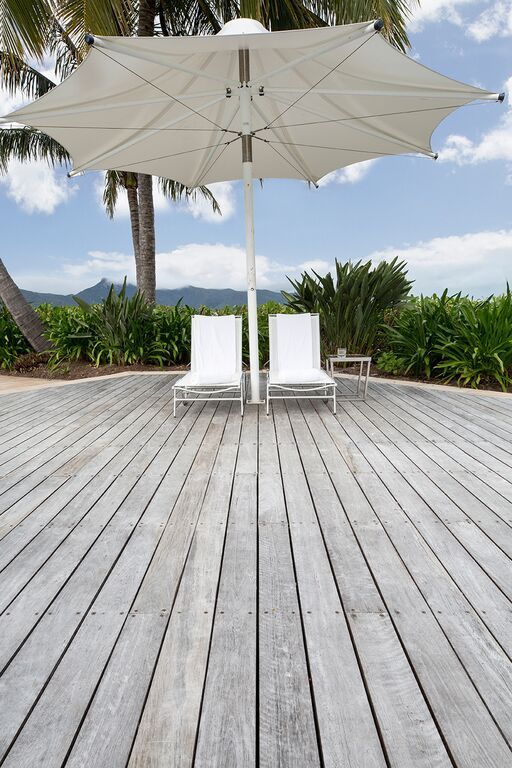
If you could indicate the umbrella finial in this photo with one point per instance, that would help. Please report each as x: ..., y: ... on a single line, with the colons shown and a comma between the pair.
x: 378, y: 25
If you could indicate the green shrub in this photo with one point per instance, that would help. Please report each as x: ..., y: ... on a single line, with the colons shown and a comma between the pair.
x: 173, y: 331
x: 454, y: 338
x: 69, y: 333
x: 477, y: 347
x: 353, y: 303
x: 417, y: 331
x: 388, y: 362
x: 12, y: 341
x: 121, y: 330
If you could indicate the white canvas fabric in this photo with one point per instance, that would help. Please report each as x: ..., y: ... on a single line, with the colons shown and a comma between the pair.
x: 208, y: 380
x: 293, y: 343
x: 216, y: 355
x: 291, y: 376
x: 293, y: 357
x: 322, y: 99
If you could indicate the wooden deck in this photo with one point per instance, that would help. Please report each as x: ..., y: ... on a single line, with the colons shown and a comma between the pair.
x: 295, y: 591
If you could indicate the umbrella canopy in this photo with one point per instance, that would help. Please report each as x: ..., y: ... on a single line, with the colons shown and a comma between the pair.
x: 246, y: 103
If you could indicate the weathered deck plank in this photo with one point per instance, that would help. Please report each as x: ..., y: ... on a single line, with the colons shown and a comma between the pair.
x: 296, y: 590
x: 228, y: 725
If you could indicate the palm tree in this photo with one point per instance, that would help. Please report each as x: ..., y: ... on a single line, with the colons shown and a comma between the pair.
x: 29, y: 29
x: 25, y: 144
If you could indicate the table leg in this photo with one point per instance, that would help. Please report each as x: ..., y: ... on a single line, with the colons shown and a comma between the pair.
x: 367, y: 378
x: 359, y: 379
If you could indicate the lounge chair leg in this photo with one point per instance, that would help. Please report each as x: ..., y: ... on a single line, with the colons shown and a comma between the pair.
x: 334, y: 401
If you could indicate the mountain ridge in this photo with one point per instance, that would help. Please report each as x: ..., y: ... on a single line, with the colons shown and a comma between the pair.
x: 193, y: 296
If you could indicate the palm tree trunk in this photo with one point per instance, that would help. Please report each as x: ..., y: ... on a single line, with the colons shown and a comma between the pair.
x: 145, y: 263
x: 133, y: 206
x: 25, y: 317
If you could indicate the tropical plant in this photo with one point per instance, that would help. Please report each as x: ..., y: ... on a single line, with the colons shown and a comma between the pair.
x: 352, y: 303
x: 173, y: 326
x: 388, y: 362
x: 68, y: 332
x: 121, y: 330
x: 477, y: 347
x: 418, y: 330
x: 12, y: 341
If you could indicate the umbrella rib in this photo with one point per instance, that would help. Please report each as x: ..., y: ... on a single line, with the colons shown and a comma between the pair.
x: 336, y: 149
x: 318, y: 52
x: 125, y: 128
x: 204, y: 165
x: 417, y: 93
x: 207, y: 171
x: 369, y: 117
x: 176, y: 154
x: 312, y: 87
x: 136, y: 139
x: 99, y: 44
x: 161, y: 90
x: 368, y: 132
x: 297, y: 156
x: 295, y: 168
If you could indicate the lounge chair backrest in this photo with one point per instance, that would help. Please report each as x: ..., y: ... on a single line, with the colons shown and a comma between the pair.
x: 216, y: 344
x: 294, y: 342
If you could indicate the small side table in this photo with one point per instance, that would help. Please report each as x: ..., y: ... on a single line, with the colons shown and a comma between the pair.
x: 332, y: 360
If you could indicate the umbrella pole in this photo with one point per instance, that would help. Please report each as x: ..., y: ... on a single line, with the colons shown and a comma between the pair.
x: 252, y: 304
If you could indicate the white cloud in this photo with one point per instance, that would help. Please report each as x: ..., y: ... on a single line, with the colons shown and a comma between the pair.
x: 201, y: 208
x: 496, y: 144
x: 476, y: 263
x: 203, y: 264
x: 36, y: 187
x: 433, y: 11
x: 494, y: 21
x: 352, y: 174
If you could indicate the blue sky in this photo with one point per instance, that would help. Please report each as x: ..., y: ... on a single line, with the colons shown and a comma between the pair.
x: 451, y: 219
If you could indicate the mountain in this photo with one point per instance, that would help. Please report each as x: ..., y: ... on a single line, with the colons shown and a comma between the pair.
x: 215, y: 298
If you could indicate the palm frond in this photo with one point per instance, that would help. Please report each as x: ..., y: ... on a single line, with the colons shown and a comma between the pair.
x: 24, y: 27
x: 74, y: 18
x: 394, y: 13
x: 16, y: 75
x: 108, y: 17
x: 177, y: 191
x: 111, y: 192
x: 27, y: 144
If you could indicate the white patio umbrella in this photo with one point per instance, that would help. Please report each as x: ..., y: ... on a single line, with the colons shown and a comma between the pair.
x: 246, y: 103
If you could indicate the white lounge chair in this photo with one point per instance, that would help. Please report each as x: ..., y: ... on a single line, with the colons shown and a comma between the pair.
x: 295, y: 360
x: 216, y: 361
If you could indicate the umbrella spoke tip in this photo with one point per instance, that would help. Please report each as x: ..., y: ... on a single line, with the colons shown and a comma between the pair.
x: 378, y: 25
x: 501, y: 97
x: 89, y: 39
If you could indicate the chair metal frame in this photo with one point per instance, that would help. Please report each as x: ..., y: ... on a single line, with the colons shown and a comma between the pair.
x: 207, y: 392
x: 326, y: 390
